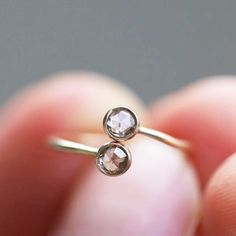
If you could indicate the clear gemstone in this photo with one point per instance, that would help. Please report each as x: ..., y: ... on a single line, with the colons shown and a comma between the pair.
x: 113, y: 159
x: 121, y: 122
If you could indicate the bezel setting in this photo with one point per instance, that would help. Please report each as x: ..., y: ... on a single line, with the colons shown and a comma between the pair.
x: 118, y: 168
x: 127, y: 134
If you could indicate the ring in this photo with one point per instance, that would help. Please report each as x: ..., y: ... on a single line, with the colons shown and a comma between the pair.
x: 114, y: 158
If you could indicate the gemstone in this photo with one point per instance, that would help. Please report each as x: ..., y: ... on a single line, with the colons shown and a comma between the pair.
x: 113, y: 159
x: 121, y: 123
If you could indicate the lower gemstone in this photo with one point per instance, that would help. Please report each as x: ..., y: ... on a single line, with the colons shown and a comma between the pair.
x: 113, y: 159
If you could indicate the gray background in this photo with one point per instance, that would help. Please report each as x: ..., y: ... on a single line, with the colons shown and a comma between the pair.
x: 154, y: 46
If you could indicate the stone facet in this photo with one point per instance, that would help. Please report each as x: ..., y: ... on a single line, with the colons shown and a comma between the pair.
x: 121, y: 123
x: 113, y: 159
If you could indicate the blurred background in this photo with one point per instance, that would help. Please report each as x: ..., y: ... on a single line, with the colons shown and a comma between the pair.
x: 154, y: 46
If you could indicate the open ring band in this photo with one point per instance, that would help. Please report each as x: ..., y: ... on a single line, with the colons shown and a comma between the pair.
x: 114, y: 158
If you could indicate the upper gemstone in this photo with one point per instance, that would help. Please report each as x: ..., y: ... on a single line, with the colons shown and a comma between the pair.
x: 121, y: 123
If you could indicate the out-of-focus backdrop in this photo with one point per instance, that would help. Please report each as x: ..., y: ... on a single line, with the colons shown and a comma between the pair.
x: 154, y: 46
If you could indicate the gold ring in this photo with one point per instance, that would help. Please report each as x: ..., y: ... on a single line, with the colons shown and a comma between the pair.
x: 114, y: 158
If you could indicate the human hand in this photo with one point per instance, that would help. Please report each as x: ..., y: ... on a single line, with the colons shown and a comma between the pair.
x: 44, y: 192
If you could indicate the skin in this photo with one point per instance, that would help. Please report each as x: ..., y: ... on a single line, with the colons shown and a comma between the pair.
x: 46, y: 192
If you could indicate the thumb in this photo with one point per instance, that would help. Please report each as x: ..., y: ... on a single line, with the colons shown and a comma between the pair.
x: 157, y: 196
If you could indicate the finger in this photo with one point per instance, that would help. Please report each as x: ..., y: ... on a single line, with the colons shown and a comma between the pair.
x: 96, y: 94
x: 203, y: 114
x: 157, y: 196
x: 220, y: 201
x: 34, y: 180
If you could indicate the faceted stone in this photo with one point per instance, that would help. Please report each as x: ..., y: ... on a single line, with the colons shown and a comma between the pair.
x: 113, y: 159
x: 121, y: 122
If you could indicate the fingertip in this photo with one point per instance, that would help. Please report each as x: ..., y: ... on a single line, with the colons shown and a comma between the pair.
x: 201, y: 113
x: 81, y: 98
x: 220, y: 201
x: 35, y: 180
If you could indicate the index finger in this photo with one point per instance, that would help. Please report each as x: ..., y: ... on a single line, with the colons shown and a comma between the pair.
x: 204, y: 114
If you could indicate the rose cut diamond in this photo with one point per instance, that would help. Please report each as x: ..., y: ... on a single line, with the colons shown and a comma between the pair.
x: 113, y: 159
x: 121, y: 123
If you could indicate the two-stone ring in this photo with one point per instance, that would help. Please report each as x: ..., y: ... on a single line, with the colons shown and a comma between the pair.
x: 114, y: 158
